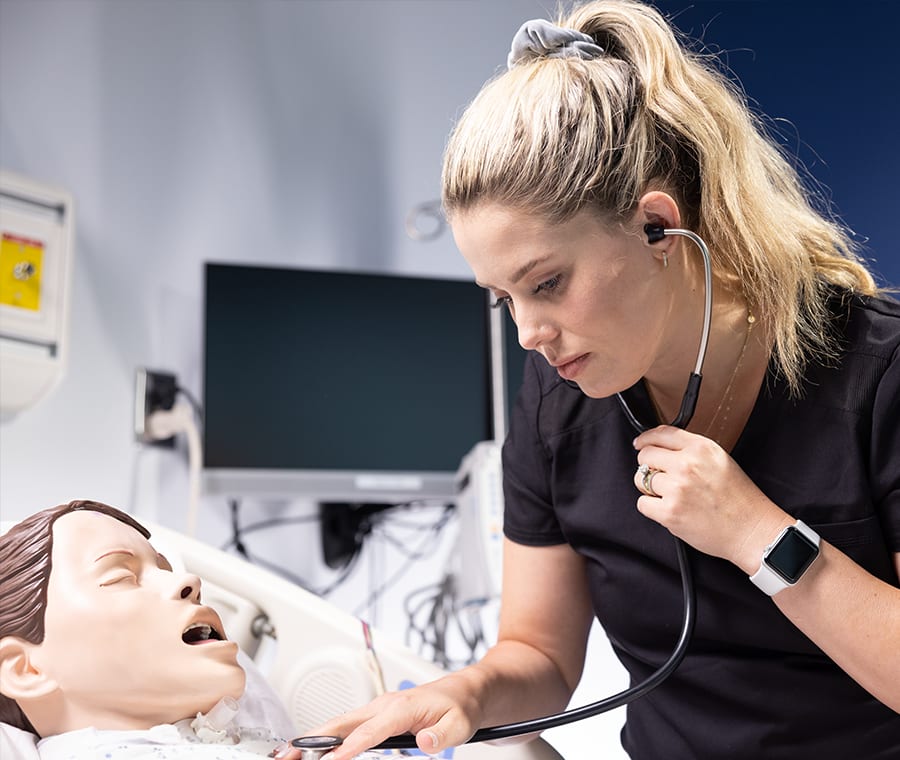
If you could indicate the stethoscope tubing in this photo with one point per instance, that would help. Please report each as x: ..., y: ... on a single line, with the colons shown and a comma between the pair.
x: 689, y: 616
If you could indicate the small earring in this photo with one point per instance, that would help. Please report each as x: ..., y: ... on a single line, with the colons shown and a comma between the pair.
x: 665, y: 255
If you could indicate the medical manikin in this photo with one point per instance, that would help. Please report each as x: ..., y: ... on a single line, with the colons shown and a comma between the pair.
x: 106, y: 652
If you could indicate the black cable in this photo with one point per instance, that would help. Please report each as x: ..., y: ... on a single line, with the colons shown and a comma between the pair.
x: 192, y: 400
x: 377, y: 519
x: 411, y: 556
x: 345, y: 573
x: 233, y: 507
x: 408, y: 741
x: 237, y: 533
x: 430, y: 633
x: 271, y: 522
x: 443, y: 617
x: 688, y: 403
x: 474, y: 638
x: 298, y: 581
x: 435, y: 528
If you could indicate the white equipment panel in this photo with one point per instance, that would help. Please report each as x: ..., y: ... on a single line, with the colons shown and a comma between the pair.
x: 36, y: 241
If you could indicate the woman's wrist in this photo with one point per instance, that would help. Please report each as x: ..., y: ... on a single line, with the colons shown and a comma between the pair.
x: 759, y: 535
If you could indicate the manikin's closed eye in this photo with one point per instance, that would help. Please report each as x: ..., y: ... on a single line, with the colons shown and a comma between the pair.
x: 118, y: 579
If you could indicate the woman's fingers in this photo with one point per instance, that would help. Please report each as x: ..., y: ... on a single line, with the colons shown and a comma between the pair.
x: 428, y: 714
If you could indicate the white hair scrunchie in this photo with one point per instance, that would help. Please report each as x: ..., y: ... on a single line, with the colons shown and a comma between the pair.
x: 541, y: 39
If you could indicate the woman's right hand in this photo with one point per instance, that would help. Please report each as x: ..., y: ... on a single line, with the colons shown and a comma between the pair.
x: 531, y: 671
x: 443, y: 713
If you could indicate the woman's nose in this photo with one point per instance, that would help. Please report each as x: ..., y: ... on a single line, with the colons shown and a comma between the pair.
x: 534, y: 329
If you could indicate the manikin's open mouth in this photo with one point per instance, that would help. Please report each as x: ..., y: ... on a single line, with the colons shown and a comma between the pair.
x: 198, y: 633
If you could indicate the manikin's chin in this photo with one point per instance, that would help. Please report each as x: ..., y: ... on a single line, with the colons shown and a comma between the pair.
x: 208, y: 681
x: 231, y: 686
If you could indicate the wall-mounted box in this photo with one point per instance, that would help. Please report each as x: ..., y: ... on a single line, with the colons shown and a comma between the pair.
x: 36, y: 247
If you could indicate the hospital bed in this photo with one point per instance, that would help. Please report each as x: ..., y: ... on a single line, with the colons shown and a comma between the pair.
x: 314, y: 656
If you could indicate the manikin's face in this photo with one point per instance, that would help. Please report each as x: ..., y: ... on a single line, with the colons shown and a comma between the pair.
x: 586, y: 296
x: 117, y: 628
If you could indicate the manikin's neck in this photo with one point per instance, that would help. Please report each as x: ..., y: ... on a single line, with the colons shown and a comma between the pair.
x: 55, y: 716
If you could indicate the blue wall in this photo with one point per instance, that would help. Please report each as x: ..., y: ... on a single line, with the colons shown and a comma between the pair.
x: 831, y: 71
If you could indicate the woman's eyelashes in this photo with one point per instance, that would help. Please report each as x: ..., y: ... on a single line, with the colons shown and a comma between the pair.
x: 547, y: 286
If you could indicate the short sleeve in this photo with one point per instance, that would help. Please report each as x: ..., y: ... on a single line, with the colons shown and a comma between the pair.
x: 529, y: 517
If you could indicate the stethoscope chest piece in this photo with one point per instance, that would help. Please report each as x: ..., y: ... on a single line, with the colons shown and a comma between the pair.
x: 314, y: 747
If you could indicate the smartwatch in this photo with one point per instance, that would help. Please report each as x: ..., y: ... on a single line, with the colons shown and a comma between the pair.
x: 786, y: 559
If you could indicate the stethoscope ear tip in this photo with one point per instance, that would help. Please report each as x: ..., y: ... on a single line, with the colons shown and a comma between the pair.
x: 654, y: 232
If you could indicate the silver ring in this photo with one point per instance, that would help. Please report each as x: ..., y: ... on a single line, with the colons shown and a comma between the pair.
x: 647, y: 474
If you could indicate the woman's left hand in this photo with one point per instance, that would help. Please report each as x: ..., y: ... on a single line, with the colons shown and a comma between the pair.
x: 704, y: 497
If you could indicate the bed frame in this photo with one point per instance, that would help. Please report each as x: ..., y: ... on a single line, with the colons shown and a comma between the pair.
x: 312, y: 653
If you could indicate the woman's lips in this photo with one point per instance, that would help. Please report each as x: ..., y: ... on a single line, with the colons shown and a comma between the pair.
x: 570, y: 369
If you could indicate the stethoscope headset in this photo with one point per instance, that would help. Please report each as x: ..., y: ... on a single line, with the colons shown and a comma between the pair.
x: 313, y: 747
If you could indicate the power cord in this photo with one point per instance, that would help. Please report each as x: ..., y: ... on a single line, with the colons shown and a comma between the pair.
x: 192, y: 400
x: 165, y: 423
x: 238, y: 534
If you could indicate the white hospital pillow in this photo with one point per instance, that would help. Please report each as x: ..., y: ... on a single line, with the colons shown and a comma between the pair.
x: 16, y: 744
x: 260, y: 705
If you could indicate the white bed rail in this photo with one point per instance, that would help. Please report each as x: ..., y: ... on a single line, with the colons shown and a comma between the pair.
x: 318, y: 662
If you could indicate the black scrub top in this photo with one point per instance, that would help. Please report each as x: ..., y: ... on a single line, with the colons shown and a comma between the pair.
x: 752, y: 685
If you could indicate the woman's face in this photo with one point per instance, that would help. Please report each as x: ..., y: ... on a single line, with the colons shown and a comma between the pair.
x: 587, y: 296
x: 125, y: 637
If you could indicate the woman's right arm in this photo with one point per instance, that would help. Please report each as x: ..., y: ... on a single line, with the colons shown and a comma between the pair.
x: 545, y: 619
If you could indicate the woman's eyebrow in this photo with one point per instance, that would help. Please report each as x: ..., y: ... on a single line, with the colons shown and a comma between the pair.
x: 520, y: 272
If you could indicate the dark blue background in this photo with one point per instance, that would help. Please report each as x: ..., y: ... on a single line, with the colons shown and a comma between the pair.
x: 829, y: 74
x: 831, y: 71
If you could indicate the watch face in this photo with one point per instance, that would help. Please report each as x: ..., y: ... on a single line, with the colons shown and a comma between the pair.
x: 793, y: 553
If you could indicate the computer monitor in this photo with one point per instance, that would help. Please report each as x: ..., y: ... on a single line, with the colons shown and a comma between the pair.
x: 513, y: 358
x: 343, y: 386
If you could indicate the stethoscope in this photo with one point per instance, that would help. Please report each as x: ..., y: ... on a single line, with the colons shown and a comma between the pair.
x: 313, y: 747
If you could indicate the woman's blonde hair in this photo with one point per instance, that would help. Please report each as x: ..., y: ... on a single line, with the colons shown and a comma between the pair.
x: 554, y: 136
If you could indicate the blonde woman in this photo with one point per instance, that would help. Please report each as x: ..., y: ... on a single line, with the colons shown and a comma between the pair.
x: 567, y: 183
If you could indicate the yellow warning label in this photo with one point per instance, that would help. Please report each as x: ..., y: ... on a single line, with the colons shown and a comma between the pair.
x: 20, y: 272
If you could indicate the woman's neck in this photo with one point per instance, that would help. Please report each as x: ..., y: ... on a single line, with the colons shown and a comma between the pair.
x: 736, y: 359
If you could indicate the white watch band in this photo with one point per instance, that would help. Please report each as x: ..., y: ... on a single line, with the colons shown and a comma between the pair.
x: 767, y: 579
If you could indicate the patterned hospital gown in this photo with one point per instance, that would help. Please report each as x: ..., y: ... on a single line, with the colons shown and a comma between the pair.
x: 165, y: 742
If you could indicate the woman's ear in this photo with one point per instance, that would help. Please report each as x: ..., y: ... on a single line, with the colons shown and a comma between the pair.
x: 20, y: 680
x: 656, y: 212
x: 658, y: 209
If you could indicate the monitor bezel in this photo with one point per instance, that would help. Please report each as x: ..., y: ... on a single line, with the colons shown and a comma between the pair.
x: 360, y: 486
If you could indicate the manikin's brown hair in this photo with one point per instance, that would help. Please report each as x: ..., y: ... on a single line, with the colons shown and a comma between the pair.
x: 25, y: 566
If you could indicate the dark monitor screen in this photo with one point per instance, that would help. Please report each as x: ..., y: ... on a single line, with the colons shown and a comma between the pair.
x: 514, y: 361
x: 341, y: 385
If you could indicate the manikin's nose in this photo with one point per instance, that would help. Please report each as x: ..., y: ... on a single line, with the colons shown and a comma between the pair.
x: 188, y: 587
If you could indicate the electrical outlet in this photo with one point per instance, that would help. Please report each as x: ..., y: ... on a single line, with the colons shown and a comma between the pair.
x: 152, y: 391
